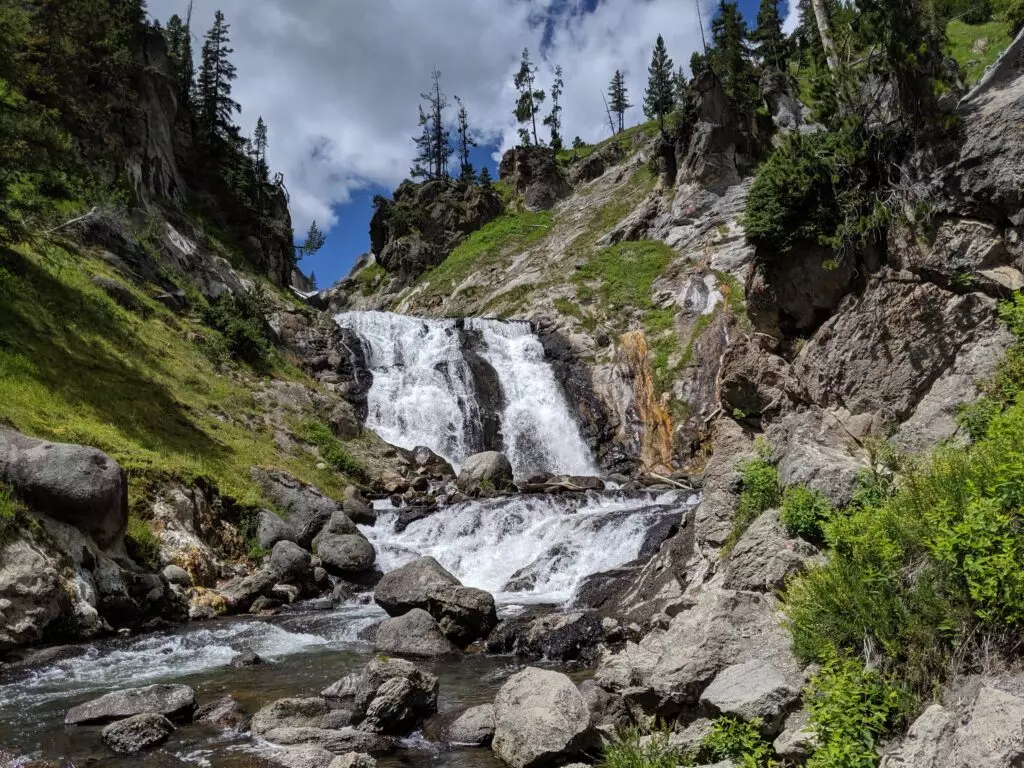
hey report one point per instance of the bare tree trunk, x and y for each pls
(826, 34)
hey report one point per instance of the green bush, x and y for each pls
(760, 491)
(242, 321)
(634, 748)
(851, 709)
(142, 544)
(10, 510)
(331, 449)
(803, 512)
(736, 740)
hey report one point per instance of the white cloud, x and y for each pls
(792, 20)
(338, 82)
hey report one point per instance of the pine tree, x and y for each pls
(315, 240)
(423, 163)
(554, 119)
(680, 91)
(216, 107)
(659, 99)
(485, 178)
(179, 50)
(260, 141)
(729, 57)
(618, 98)
(530, 100)
(433, 145)
(465, 143)
(771, 42)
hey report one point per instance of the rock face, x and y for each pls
(306, 508)
(534, 172)
(474, 727)
(393, 697)
(134, 734)
(489, 470)
(75, 484)
(540, 719)
(31, 594)
(765, 556)
(176, 702)
(412, 634)
(751, 690)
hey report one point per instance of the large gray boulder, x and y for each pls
(289, 562)
(393, 696)
(343, 548)
(752, 690)
(540, 719)
(765, 556)
(291, 713)
(305, 508)
(487, 471)
(134, 734)
(473, 728)
(75, 484)
(176, 702)
(272, 528)
(405, 588)
(32, 596)
(412, 634)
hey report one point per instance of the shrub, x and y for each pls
(736, 740)
(331, 449)
(10, 510)
(636, 749)
(803, 512)
(142, 544)
(760, 491)
(242, 321)
(851, 708)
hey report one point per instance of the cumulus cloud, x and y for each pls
(338, 83)
(792, 20)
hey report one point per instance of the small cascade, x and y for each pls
(529, 548)
(463, 386)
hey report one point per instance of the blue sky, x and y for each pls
(338, 83)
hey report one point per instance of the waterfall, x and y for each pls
(430, 388)
(528, 548)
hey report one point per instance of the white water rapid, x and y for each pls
(423, 391)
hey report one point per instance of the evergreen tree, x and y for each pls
(216, 107)
(680, 91)
(554, 119)
(423, 163)
(659, 99)
(465, 143)
(771, 42)
(433, 146)
(530, 99)
(698, 64)
(315, 240)
(260, 141)
(485, 178)
(618, 98)
(578, 143)
(179, 49)
(729, 57)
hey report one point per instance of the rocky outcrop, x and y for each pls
(73, 484)
(765, 556)
(487, 471)
(405, 588)
(534, 173)
(135, 734)
(540, 719)
(176, 702)
(753, 690)
(307, 509)
(393, 696)
(554, 636)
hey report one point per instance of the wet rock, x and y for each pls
(393, 697)
(555, 636)
(74, 484)
(264, 605)
(359, 511)
(750, 690)
(473, 728)
(338, 741)
(176, 702)
(138, 733)
(405, 588)
(463, 614)
(343, 548)
(409, 515)
(225, 712)
(487, 471)
(433, 465)
(247, 659)
(32, 596)
(299, 757)
(291, 713)
(308, 509)
(412, 634)
(178, 576)
(540, 719)
(353, 760)
(289, 562)
(766, 556)
(285, 593)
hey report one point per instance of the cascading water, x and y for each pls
(424, 392)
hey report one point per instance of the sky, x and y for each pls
(338, 83)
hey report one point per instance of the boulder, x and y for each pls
(359, 511)
(534, 172)
(405, 588)
(32, 595)
(797, 741)
(608, 711)
(463, 614)
(412, 634)
(272, 528)
(338, 741)
(540, 719)
(176, 702)
(289, 562)
(313, 712)
(344, 421)
(393, 697)
(345, 688)
(225, 712)
(342, 547)
(177, 576)
(247, 659)
(299, 757)
(75, 484)
(353, 760)
(554, 636)
(306, 509)
(487, 471)
(750, 690)
(473, 728)
(134, 734)
(765, 556)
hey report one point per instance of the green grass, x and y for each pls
(566, 156)
(370, 278)
(570, 308)
(76, 367)
(760, 491)
(490, 245)
(962, 38)
(10, 510)
(622, 275)
(635, 748)
(331, 448)
(142, 544)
